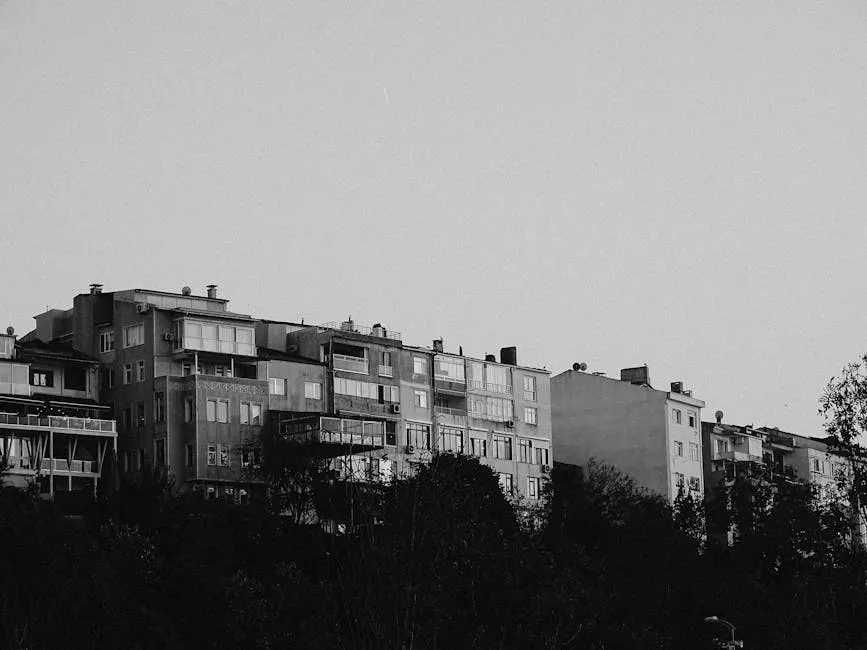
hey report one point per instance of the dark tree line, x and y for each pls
(439, 559)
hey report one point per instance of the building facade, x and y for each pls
(193, 385)
(652, 435)
(55, 436)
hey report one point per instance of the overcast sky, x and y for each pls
(680, 184)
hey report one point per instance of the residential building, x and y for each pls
(192, 383)
(55, 436)
(652, 435)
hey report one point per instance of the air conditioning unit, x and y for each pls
(409, 449)
(293, 348)
(546, 469)
(168, 336)
(395, 408)
(510, 424)
(142, 307)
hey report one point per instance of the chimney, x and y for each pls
(509, 356)
(438, 345)
(95, 289)
(212, 290)
(491, 357)
(677, 387)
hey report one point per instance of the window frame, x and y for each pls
(419, 362)
(138, 328)
(678, 448)
(313, 387)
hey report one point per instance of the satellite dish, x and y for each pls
(10, 330)
(186, 291)
(719, 416)
(579, 367)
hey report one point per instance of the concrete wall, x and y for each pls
(685, 435)
(616, 423)
(296, 374)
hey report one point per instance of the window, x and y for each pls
(75, 378)
(139, 459)
(249, 456)
(127, 418)
(529, 388)
(223, 371)
(502, 447)
(419, 365)
(106, 341)
(451, 439)
(479, 447)
(140, 414)
(678, 479)
(721, 446)
(676, 415)
(251, 413)
(534, 488)
(188, 409)
(497, 379)
(186, 369)
(212, 493)
(525, 450)
(133, 335)
(529, 415)
(386, 358)
(109, 379)
(418, 435)
(694, 483)
(212, 455)
(42, 378)
(312, 390)
(449, 369)
(277, 386)
(127, 373)
(232, 339)
(542, 456)
(691, 418)
(189, 455)
(160, 452)
(390, 433)
(505, 480)
(218, 410)
(420, 398)
(223, 456)
(496, 409)
(159, 407)
(693, 451)
(814, 464)
(678, 448)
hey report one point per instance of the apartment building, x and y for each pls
(747, 453)
(189, 385)
(56, 437)
(396, 404)
(192, 383)
(652, 435)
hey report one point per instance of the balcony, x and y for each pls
(386, 371)
(474, 384)
(350, 326)
(62, 465)
(350, 364)
(451, 416)
(58, 422)
(737, 456)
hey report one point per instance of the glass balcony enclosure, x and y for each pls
(7, 346)
(215, 337)
(14, 379)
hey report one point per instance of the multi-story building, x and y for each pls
(56, 437)
(406, 402)
(652, 435)
(192, 383)
(755, 455)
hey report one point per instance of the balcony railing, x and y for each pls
(386, 371)
(490, 388)
(456, 415)
(350, 326)
(351, 364)
(62, 465)
(58, 422)
(734, 455)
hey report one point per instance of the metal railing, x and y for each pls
(489, 388)
(349, 326)
(62, 465)
(386, 371)
(58, 422)
(352, 364)
(444, 410)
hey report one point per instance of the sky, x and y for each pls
(674, 183)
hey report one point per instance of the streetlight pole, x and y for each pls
(733, 643)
